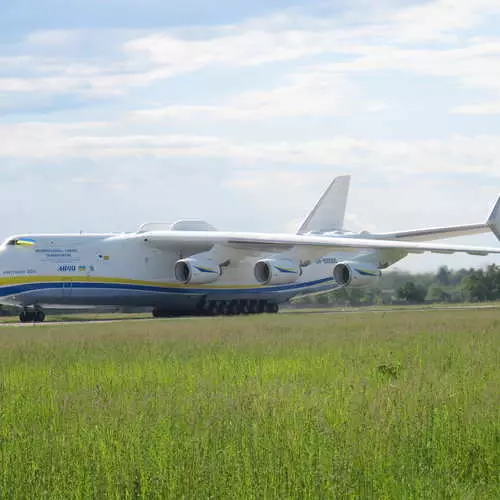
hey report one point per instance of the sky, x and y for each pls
(119, 112)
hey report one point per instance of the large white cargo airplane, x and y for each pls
(190, 267)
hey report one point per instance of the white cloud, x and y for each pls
(310, 93)
(484, 108)
(458, 154)
(137, 61)
(231, 46)
(440, 20)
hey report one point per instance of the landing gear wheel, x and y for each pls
(38, 316)
(234, 308)
(252, 307)
(161, 313)
(272, 308)
(261, 307)
(212, 309)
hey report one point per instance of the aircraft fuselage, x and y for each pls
(114, 270)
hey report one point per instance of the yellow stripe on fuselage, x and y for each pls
(23, 280)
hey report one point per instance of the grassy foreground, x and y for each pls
(399, 405)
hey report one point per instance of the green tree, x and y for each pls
(414, 294)
(475, 284)
(443, 276)
(437, 293)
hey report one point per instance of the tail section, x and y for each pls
(329, 212)
(494, 219)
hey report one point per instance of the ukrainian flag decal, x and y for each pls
(25, 242)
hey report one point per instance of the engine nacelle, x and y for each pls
(355, 274)
(276, 272)
(195, 271)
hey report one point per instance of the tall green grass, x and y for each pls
(399, 405)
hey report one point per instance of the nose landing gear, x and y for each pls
(32, 316)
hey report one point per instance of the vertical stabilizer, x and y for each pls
(329, 212)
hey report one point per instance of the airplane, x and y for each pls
(191, 268)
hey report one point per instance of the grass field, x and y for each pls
(399, 405)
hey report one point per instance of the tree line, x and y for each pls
(396, 287)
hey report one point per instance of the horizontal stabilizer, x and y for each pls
(436, 233)
(494, 219)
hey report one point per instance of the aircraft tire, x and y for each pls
(219, 311)
(202, 309)
(272, 308)
(252, 306)
(212, 309)
(235, 308)
(38, 316)
(161, 313)
(28, 316)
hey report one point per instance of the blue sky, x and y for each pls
(119, 112)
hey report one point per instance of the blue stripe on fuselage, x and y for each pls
(29, 287)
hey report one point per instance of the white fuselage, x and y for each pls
(110, 269)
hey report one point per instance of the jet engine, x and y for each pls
(355, 274)
(195, 271)
(276, 272)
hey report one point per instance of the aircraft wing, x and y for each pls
(304, 247)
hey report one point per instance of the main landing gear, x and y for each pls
(236, 307)
(32, 316)
(225, 308)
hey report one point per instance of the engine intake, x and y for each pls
(195, 271)
(355, 274)
(276, 272)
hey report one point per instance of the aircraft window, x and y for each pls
(11, 242)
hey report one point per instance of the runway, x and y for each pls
(285, 312)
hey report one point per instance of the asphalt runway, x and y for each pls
(287, 312)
